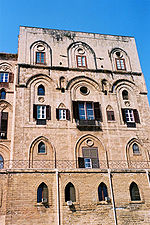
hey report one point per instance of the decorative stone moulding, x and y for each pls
(41, 99)
(89, 142)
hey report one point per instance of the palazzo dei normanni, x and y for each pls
(74, 131)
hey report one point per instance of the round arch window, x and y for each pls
(84, 90)
(135, 148)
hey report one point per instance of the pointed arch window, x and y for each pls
(102, 192)
(1, 162)
(70, 193)
(134, 192)
(41, 90)
(42, 193)
(136, 149)
(125, 95)
(41, 147)
(2, 94)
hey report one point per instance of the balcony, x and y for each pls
(72, 164)
(90, 125)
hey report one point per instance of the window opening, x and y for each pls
(84, 90)
(81, 61)
(41, 112)
(62, 114)
(129, 115)
(41, 147)
(41, 90)
(134, 192)
(135, 148)
(110, 116)
(4, 77)
(42, 193)
(125, 95)
(102, 192)
(120, 63)
(3, 94)
(1, 162)
(40, 57)
(70, 194)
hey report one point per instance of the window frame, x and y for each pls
(41, 112)
(4, 80)
(85, 62)
(129, 116)
(38, 90)
(135, 152)
(40, 61)
(86, 111)
(41, 153)
(110, 115)
(1, 162)
(120, 64)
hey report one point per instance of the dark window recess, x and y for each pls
(102, 192)
(42, 193)
(41, 90)
(134, 192)
(110, 116)
(90, 158)
(70, 193)
(1, 162)
(125, 95)
(3, 125)
(2, 94)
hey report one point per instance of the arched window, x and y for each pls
(135, 148)
(1, 162)
(70, 193)
(41, 147)
(41, 90)
(102, 192)
(42, 193)
(134, 192)
(125, 95)
(2, 94)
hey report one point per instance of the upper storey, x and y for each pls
(77, 50)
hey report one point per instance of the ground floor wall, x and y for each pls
(18, 197)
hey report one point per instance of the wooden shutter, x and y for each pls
(57, 114)
(67, 114)
(81, 162)
(35, 111)
(97, 111)
(136, 116)
(94, 157)
(123, 115)
(4, 119)
(11, 77)
(48, 112)
(75, 110)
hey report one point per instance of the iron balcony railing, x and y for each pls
(72, 164)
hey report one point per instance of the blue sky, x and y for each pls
(118, 17)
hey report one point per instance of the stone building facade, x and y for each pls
(75, 139)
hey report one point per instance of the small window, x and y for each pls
(41, 113)
(136, 149)
(110, 116)
(42, 193)
(70, 193)
(129, 116)
(134, 192)
(1, 162)
(3, 94)
(125, 95)
(62, 114)
(40, 57)
(102, 192)
(41, 90)
(4, 77)
(120, 64)
(41, 147)
(81, 61)
(90, 158)
(87, 163)
(3, 125)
